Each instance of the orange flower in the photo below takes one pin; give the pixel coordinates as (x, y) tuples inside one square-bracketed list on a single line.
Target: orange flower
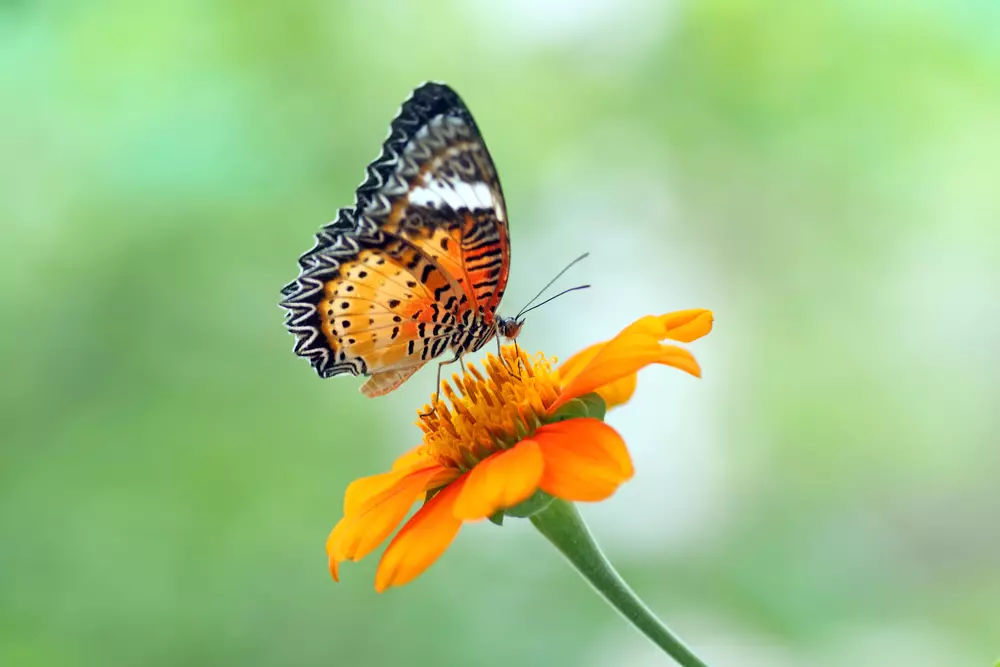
[(503, 441)]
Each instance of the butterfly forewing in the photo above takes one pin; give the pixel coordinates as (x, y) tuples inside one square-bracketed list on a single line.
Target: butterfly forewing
[(422, 256)]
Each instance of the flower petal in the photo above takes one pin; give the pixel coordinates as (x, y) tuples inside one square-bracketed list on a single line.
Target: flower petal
[(334, 568), (635, 347), (585, 459), (364, 489), (570, 368), (614, 394), (358, 533), (686, 326), (500, 481), (618, 392), (415, 456), (422, 540)]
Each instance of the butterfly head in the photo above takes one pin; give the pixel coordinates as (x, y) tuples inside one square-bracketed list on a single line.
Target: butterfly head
[(509, 327)]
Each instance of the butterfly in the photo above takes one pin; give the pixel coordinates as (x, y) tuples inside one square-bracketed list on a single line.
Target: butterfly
[(419, 264)]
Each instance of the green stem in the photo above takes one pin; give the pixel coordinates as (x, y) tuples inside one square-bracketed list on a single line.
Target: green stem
[(564, 527)]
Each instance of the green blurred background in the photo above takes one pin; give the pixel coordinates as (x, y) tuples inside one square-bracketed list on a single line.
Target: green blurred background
[(823, 175)]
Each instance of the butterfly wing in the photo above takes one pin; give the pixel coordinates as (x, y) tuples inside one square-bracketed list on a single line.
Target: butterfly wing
[(454, 207), (392, 280)]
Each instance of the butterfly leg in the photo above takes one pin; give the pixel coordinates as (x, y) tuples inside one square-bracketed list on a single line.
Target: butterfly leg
[(437, 390), (515, 372), (500, 355)]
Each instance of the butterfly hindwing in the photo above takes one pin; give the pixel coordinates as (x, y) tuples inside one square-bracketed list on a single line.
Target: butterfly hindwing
[(382, 304), (393, 280), (383, 382)]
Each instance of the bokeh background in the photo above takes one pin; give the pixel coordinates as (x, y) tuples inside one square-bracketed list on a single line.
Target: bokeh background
[(825, 176)]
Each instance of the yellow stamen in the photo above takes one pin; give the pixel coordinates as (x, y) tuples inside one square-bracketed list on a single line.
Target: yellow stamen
[(490, 410)]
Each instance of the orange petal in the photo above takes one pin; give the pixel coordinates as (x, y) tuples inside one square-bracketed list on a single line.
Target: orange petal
[(686, 326), (570, 368), (585, 459), (364, 489), (422, 540), (618, 392), (415, 456), (500, 481), (358, 533), (635, 347), (334, 568), (615, 393)]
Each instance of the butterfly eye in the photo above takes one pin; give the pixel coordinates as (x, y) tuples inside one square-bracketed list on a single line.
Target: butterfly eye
[(509, 327)]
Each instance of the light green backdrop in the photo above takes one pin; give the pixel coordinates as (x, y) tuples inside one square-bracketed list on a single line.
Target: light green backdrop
[(824, 175)]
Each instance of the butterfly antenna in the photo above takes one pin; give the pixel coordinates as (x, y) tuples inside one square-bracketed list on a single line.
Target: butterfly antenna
[(552, 298), (549, 284)]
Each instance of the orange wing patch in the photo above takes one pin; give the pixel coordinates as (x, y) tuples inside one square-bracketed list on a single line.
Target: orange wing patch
[(382, 308)]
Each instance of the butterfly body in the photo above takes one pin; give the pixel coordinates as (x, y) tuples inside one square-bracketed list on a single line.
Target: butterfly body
[(419, 265)]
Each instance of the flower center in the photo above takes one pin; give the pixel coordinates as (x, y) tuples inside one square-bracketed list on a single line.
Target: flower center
[(491, 413)]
